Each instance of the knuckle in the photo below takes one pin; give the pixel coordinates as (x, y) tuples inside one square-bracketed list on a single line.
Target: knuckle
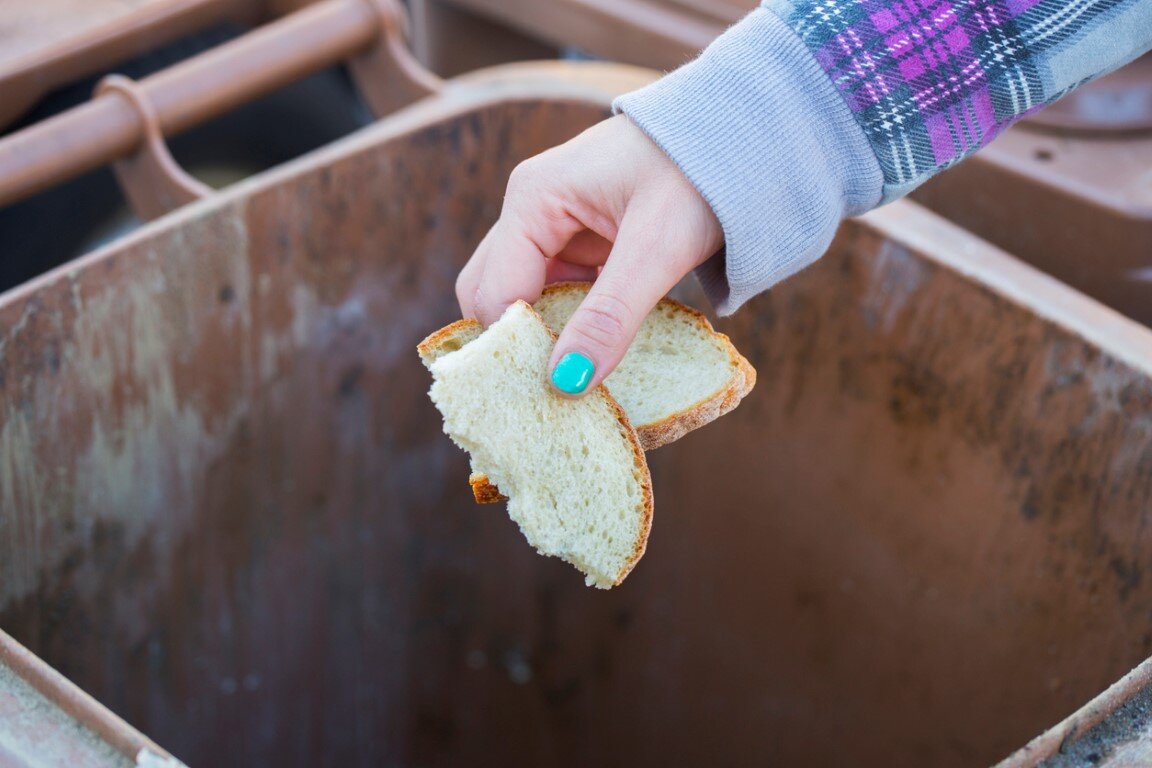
[(535, 195), (524, 176), (604, 320), (485, 311)]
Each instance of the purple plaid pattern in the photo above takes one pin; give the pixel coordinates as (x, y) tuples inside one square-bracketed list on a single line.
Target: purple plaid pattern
[(932, 81)]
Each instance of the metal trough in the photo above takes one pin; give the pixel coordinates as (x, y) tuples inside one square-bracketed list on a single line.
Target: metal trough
[(228, 512)]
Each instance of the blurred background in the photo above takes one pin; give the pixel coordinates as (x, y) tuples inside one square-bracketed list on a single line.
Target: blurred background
[(229, 513)]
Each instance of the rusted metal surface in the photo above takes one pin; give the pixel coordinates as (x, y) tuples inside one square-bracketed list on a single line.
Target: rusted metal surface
[(1119, 103), (30, 28), (1078, 207), (650, 33), (109, 128), (47, 722), (386, 74), (451, 41), (230, 513), (729, 11), (150, 178), (49, 43), (159, 591), (1113, 730), (1070, 190)]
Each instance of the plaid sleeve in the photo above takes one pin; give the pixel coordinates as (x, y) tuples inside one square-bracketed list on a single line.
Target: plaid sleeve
[(932, 81)]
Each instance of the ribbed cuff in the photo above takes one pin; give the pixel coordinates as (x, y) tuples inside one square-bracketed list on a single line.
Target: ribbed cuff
[(756, 125)]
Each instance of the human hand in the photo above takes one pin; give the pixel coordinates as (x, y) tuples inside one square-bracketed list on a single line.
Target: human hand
[(607, 206)]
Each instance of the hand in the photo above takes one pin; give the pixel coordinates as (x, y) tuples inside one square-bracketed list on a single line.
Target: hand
[(608, 198)]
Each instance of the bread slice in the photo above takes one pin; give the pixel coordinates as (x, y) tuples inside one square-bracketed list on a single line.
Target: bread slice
[(574, 471), (678, 375)]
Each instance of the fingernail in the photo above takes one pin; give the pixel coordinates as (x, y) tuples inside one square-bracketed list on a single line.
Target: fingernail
[(572, 374)]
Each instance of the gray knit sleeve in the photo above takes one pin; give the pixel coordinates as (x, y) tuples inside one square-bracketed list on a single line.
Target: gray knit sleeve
[(756, 125)]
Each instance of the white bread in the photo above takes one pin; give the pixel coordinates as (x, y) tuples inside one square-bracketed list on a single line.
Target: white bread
[(574, 471), (678, 375)]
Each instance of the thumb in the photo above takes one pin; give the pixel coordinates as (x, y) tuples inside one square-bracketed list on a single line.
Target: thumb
[(640, 270)]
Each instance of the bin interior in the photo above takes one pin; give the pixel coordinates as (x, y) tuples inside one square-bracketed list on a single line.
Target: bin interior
[(230, 513)]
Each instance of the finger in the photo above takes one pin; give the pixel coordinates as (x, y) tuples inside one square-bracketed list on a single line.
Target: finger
[(514, 262), (639, 272), (586, 247), (469, 279), (559, 271)]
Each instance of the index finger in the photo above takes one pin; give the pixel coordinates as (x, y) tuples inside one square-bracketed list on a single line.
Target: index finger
[(515, 257)]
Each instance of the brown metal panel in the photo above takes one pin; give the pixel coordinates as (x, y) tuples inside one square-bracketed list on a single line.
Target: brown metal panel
[(728, 11), (451, 41), (640, 32), (229, 511), (47, 722), (50, 43), (1078, 207), (1113, 730), (456, 35)]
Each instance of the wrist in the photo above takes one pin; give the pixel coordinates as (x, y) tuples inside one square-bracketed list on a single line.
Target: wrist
[(762, 134)]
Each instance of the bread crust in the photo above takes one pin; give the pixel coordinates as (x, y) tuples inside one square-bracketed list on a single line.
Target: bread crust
[(483, 491), (676, 425), (449, 339), (640, 463), (436, 343)]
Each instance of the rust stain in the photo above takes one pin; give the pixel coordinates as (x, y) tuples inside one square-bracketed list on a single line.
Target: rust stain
[(111, 390), (923, 533)]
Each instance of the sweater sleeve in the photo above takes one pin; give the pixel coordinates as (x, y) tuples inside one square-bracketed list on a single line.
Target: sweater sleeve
[(809, 111), (932, 81), (758, 128)]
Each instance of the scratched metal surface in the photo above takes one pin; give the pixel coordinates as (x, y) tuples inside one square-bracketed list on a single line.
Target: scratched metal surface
[(1123, 740), (230, 514), (34, 733), (1114, 730)]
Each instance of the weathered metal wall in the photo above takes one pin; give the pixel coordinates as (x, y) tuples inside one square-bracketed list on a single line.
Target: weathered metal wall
[(229, 511)]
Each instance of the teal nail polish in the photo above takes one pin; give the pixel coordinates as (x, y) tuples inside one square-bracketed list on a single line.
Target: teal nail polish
[(572, 374)]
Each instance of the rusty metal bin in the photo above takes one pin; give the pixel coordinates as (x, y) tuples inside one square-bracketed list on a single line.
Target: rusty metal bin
[(228, 511)]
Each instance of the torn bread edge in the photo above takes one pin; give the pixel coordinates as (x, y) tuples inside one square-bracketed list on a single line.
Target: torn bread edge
[(671, 427), (458, 334)]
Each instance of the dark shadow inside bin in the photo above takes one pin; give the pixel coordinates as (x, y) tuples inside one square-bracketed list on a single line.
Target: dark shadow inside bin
[(231, 515)]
